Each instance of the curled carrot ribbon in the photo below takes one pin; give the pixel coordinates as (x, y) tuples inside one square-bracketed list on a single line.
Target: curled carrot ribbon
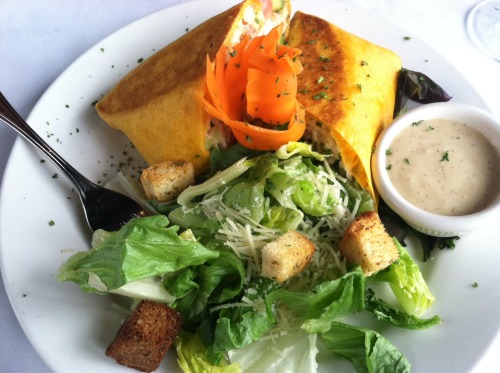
[(252, 89)]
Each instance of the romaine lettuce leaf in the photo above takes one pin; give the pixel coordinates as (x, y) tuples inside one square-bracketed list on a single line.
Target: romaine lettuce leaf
[(368, 351), (278, 183), (384, 311), (247, 195), (217, 281), (282, 218), (328, 302), (357, 193), (222, 159), (302, 148), (220, 179), (298, 184), (142, 248), (196, 221), (407, 283), (313, 194), (242, 324), (288, 352), (192, 357)]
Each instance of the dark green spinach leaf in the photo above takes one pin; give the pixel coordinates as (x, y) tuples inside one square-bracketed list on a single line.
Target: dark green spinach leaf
[(418, 87)]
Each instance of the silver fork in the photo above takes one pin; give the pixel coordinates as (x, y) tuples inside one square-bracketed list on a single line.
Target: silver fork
[(104, 208)]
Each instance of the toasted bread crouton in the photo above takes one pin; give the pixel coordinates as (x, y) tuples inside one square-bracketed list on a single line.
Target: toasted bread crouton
[(366, 243), (287, 256), (166, 180), (145, 337)]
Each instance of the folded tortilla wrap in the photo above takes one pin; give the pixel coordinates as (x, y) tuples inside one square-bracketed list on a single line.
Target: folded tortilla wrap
[(348, 88), (159, 104)]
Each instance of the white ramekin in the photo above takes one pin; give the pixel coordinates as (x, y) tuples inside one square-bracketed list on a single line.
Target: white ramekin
[(423, 221)]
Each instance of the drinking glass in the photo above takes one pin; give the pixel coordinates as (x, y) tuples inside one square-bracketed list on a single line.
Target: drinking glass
[(483, 26)]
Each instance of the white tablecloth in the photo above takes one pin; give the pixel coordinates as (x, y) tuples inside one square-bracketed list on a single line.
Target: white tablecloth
[(39, 39)]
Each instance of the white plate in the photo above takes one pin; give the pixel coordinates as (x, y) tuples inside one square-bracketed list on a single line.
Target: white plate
[(70, 329)]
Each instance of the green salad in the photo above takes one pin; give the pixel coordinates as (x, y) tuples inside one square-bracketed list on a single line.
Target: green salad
[(201, 254)]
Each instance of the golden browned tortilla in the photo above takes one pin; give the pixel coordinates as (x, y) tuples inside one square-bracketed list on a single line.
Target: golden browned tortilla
[(348, 88), (158, 105)]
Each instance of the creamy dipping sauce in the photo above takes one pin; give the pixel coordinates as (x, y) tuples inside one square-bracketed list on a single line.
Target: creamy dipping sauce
[(445, 167)]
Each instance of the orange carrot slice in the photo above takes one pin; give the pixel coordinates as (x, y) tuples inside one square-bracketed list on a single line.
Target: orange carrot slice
[(260, 138), (256, 81), (271, 94)]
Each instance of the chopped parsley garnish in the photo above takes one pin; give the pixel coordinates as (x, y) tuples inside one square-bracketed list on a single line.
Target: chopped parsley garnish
[(321, 95)]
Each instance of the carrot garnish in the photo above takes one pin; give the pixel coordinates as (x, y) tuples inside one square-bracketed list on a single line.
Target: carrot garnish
[(252, 89)]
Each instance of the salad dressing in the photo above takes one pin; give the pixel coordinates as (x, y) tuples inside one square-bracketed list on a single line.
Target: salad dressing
[(444, 167)]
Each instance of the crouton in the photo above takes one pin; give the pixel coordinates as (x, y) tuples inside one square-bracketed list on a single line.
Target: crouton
[(366, 243), (164, 181), (145, 337), (287, 256)]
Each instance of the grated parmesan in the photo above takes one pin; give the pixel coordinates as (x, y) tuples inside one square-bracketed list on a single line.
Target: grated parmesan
[(246, 237)]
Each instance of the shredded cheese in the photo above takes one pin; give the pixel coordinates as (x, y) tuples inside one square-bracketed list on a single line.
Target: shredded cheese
[(247, 237)]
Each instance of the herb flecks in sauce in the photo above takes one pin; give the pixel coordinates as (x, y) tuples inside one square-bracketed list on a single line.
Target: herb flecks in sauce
[(445, 157)]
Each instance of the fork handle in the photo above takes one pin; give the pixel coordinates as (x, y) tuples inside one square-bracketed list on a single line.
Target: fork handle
[(12, 118)]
